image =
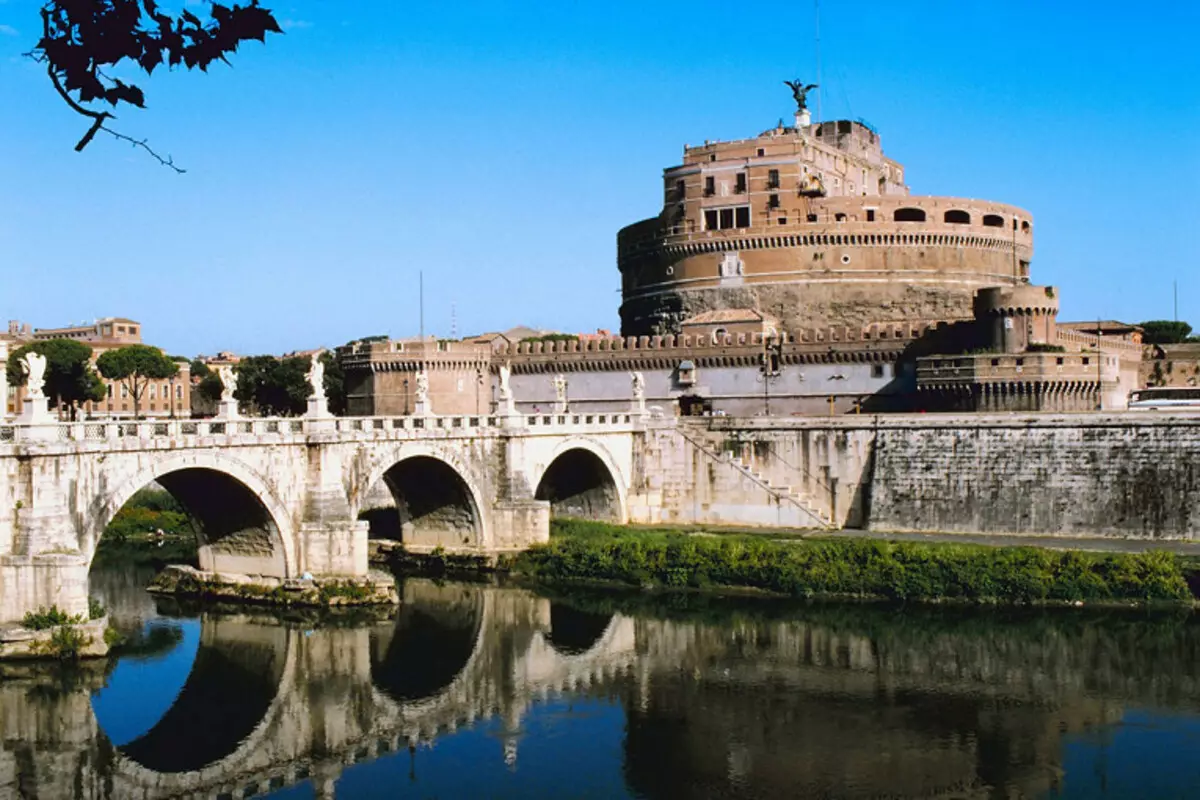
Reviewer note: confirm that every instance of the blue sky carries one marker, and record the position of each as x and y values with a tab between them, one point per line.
499	146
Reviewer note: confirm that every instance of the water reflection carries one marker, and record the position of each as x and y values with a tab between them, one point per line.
476	690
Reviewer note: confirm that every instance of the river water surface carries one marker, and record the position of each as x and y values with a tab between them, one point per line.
478	691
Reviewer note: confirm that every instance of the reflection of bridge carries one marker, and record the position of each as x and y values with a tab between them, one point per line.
835	701
267	705
282	497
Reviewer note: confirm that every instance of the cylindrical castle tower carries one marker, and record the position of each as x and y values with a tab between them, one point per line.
1011	318
814	225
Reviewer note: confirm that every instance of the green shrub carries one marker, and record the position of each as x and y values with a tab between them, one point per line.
46	618
580	550
96	609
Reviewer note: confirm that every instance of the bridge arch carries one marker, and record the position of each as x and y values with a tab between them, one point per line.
437	502
582	479
241	524
574	631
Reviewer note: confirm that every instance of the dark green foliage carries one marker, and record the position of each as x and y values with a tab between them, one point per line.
1042	347
66	643
198	369
135	365
1164	331
46	618
210	387
130	537
85	45
70	379
553	337
852	567
272	386
96	609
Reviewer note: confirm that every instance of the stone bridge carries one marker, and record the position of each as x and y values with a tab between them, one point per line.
268	704
283	497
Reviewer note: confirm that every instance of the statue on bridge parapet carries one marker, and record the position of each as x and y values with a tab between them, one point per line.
639	393
3	381
507	405
318	405
227	408
422	394
36	409
560	394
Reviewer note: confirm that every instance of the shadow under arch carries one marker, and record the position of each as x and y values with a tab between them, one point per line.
437	633
434	505
578	483
236	677
237	521
573	631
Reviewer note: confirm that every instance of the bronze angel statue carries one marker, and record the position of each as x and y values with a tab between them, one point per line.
800	92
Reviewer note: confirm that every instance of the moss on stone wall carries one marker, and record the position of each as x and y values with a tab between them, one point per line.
852	567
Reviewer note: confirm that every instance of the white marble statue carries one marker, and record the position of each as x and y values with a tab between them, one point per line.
35	375
228	382
316	376
422	387
639	386
505	389
560	392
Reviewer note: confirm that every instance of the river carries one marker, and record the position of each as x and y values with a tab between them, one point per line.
473	690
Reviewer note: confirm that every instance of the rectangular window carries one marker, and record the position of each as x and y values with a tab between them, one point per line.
773	179
783	220
680	189
870	215
812	217
773	201
710	186
761	152
742	214
109	390
726	216
179	392
739	185
710	220
877	370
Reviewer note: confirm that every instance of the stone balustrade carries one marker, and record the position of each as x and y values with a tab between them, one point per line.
405	427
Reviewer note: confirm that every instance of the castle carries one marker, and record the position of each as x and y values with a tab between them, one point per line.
794	273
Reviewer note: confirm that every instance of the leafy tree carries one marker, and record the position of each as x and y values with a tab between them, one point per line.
86	43
270	386
135	366
199	369
1164	331
70	379
210	387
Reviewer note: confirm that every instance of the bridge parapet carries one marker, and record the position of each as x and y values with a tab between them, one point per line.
279	428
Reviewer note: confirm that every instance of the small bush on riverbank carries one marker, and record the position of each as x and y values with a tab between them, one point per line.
46	618
581	550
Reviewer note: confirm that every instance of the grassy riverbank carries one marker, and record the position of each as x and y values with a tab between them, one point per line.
132	536
589	551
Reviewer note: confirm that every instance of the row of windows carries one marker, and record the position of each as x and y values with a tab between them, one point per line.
739	217
720	219
153	393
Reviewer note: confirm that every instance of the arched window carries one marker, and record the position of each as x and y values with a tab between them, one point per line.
993	220
957	217
839	217
1025	226
909	215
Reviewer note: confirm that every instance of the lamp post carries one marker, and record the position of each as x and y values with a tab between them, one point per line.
769	369
1099	371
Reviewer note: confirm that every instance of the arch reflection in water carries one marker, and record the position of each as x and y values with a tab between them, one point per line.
436	634
573	631
234	679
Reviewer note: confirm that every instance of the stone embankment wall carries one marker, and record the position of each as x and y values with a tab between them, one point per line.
1129	475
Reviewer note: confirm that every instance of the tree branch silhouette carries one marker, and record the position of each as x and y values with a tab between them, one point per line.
81	36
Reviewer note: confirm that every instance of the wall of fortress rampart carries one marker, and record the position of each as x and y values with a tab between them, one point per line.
1122	475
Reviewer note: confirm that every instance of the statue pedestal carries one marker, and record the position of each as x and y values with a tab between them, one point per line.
421	409
227	409
803	118
318	408
36	411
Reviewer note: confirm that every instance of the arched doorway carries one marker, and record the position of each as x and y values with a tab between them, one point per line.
579	484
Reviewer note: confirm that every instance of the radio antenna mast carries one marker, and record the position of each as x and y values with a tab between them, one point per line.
817	29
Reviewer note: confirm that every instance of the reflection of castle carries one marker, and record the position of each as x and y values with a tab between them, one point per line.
793	273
